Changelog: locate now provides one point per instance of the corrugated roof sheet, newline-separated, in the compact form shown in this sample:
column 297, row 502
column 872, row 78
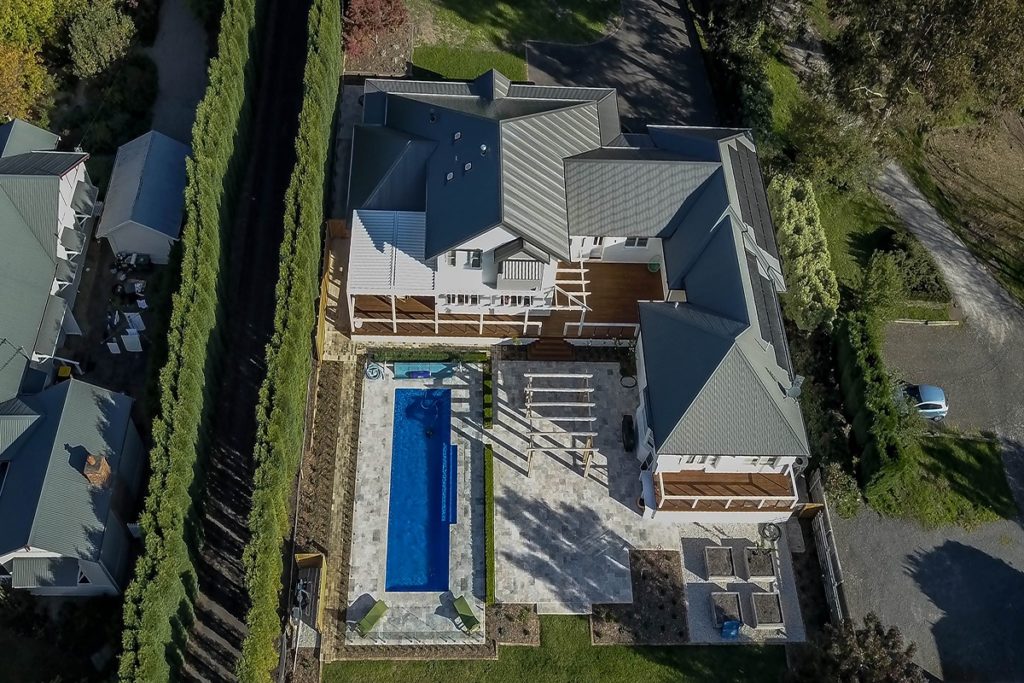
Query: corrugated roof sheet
column 40, row 572
column 147, row 186
column 622, row 192
column 18, row 137
column 387, row 254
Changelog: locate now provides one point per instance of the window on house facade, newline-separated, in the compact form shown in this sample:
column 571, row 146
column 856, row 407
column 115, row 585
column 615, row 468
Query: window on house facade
column 517, row 300
column 474, row 258
column 465, row 299
column 598, row 241
column 636, row 242
column 451, row 258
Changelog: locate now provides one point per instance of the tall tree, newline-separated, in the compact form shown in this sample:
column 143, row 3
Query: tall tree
column 100, row 36
column 937, row 52
column 26, row 23
column 813, row 293
column 871, row 654
column 24, row 84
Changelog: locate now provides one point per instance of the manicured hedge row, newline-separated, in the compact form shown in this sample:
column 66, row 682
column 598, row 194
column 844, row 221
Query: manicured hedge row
column 158, row 602
column 282, row 402
column 428, row 355
column 869, row 395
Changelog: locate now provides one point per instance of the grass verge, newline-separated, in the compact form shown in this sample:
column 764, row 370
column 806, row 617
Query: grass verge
column 855, row 225
column 566, row 654
column 948, row 480
column 465, row 63
column 489, row 520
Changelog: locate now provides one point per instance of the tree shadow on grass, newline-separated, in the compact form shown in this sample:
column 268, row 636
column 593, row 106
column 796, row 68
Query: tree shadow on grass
column 973, row 470
column 979, row 635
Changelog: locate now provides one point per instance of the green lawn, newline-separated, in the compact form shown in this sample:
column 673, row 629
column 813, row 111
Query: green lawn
column 464, row 63
column 787, row 95
column 459, row 39
column 949, row 480
column 817, row 17
column 938, row 311
column 855, row 226
column 566, row 655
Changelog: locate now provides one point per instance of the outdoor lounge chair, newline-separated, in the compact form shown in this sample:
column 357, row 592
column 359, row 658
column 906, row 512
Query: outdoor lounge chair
column 469, row 621
column 367, row 623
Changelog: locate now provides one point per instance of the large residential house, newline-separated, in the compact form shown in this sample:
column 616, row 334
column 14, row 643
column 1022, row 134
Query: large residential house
column 487, row 211
column 70, row 457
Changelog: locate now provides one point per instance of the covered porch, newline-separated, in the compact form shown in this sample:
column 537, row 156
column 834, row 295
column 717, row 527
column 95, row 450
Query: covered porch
column 701, row 491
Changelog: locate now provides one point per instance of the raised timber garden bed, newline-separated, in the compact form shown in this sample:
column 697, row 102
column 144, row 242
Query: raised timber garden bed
column 725, row 607
column 767, row 610
column 760, row 563
column 719, row 562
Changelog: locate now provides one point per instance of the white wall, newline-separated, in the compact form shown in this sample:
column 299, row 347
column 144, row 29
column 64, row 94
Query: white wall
column 614, row 250
column 723, row 463
column 133, row 237
column 751, row 517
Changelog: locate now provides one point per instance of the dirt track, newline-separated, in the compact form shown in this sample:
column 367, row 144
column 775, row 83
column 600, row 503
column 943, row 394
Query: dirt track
column 215, row 638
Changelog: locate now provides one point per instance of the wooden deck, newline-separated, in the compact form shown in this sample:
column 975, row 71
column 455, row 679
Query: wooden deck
column 723, row 491
column 614, row 290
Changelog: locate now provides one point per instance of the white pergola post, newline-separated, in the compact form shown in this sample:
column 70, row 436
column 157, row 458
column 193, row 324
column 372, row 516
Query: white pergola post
column 394, row 315
column 579, row 397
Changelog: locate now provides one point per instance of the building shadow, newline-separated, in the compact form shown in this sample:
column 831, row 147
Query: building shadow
column 979, row 636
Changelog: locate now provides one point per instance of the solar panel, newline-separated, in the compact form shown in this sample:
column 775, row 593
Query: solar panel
column 753, row 198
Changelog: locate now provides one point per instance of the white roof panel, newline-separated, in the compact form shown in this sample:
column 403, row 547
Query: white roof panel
column 388, row 254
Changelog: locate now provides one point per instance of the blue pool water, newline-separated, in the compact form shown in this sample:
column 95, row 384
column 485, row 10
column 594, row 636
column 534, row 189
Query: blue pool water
column 422, row 501
column 405, row 370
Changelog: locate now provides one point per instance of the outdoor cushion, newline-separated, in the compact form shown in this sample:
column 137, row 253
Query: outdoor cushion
column 367, row 623
column 469, row 620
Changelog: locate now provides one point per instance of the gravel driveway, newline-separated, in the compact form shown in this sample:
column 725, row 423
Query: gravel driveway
column 653, row 59
column 957, row 594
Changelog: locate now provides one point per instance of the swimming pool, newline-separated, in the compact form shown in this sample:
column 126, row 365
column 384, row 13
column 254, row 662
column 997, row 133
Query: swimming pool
column 422, row 500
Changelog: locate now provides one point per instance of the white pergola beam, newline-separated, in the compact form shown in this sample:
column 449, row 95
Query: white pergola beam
column 561, row 404
column 578, row 449
column 558, row 375
column 567, row 418
column 577, row 390
column 563, row 433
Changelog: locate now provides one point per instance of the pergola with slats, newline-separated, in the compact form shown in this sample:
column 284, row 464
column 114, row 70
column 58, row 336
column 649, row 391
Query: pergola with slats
column 574, row 396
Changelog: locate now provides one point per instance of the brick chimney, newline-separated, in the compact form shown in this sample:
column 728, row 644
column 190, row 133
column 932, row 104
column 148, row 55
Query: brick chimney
column 97, row 469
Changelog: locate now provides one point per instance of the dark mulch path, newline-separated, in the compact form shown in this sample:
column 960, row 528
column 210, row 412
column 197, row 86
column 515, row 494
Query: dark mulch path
column 810, row 588
column 513, row 625
column 657, row 615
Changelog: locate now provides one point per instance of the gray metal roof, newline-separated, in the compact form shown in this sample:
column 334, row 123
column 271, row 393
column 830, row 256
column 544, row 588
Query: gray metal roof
column 41, row 163
column 39, row 572
column 712, row 388
column 533, row 188
column 18, row 137
column 717, row 279
column 46, row 502
column 498, row 159
column 627, row 192
column 391, row 169
column 147, row 186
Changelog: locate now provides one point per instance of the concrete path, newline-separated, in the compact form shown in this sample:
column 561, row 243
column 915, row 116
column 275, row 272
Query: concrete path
column 180, row 52
column 653, row 59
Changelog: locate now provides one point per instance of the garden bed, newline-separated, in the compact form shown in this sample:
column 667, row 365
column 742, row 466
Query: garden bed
column 657, row 615
column 511, row 624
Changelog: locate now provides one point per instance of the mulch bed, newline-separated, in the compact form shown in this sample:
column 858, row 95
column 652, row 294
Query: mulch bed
column 389, row 57
column 510, row 624
column 657, row 615
column 314, row 521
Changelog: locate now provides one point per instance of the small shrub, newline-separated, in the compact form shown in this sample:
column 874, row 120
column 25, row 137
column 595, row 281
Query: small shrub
column 100, row 36
column 921, row 277
column 841, row 488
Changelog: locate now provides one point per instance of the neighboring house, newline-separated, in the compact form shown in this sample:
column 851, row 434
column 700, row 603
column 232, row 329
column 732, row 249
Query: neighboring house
column 70, row 469
column 143, row 207
column 70, row 457
column 46, row 207
column 487, row 210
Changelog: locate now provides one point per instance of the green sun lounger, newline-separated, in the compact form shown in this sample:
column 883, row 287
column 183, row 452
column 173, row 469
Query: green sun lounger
column 367, row 623
column 469, row 621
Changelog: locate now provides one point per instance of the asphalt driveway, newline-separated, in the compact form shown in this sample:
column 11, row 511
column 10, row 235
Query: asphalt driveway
column 653, row 59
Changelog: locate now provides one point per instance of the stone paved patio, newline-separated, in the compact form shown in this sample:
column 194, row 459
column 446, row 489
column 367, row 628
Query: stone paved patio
column 562, row 541
column 417, row 617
